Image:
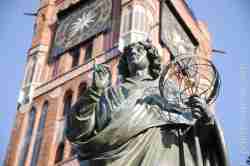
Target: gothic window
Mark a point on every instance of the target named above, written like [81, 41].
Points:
[67, 103]
[55, 68]
[30, 71]
[139, 18]
[111, 35]
[27, 138]
[66, 110]
[75, 53]
[39, 136]
[136, 23]
[88, 52]
[43, 117]
[29, 78]
[127, 20]
[82, 89]
[59, 153]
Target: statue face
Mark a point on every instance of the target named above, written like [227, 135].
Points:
[137, 58]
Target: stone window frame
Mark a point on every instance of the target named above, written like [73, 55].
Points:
[27, 138]
[75, 53]
[82, 88]
[67, 101]
[39, 135]
[136, 23]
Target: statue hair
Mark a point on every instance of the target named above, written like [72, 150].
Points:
[152, 55]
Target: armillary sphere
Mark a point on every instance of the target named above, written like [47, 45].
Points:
[189, 76]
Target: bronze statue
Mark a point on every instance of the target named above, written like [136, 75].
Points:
[126, 124]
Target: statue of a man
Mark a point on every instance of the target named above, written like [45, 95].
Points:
[130, 124]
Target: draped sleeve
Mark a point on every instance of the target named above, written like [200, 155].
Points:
[81, 121]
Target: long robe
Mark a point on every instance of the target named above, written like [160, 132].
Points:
[132, 125]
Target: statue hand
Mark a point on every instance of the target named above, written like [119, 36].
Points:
[101, 78]
[200, 109]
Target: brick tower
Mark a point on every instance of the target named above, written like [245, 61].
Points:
[69, 37]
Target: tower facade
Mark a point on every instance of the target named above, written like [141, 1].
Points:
[70, 36]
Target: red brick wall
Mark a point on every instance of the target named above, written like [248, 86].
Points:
[56, 96]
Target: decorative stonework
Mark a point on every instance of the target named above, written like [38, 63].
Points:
[173, 34]
[88, 20]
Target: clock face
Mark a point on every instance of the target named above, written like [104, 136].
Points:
[173, 34]
[82, 24]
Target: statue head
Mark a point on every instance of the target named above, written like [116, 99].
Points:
[140, 56]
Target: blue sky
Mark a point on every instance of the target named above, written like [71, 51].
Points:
[15, 40]
[229, 23]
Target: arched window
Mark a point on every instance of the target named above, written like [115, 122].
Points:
[127, 20]
[67, 102]
[82, 88]
[88, 51]
[55, 68]
[136, 23]
[67, 106]
[27, 138]
[139, 21]
[29, 78]
[75, 54]
[59, 153]
[31, 71]
[43, 117]
[39, 135]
